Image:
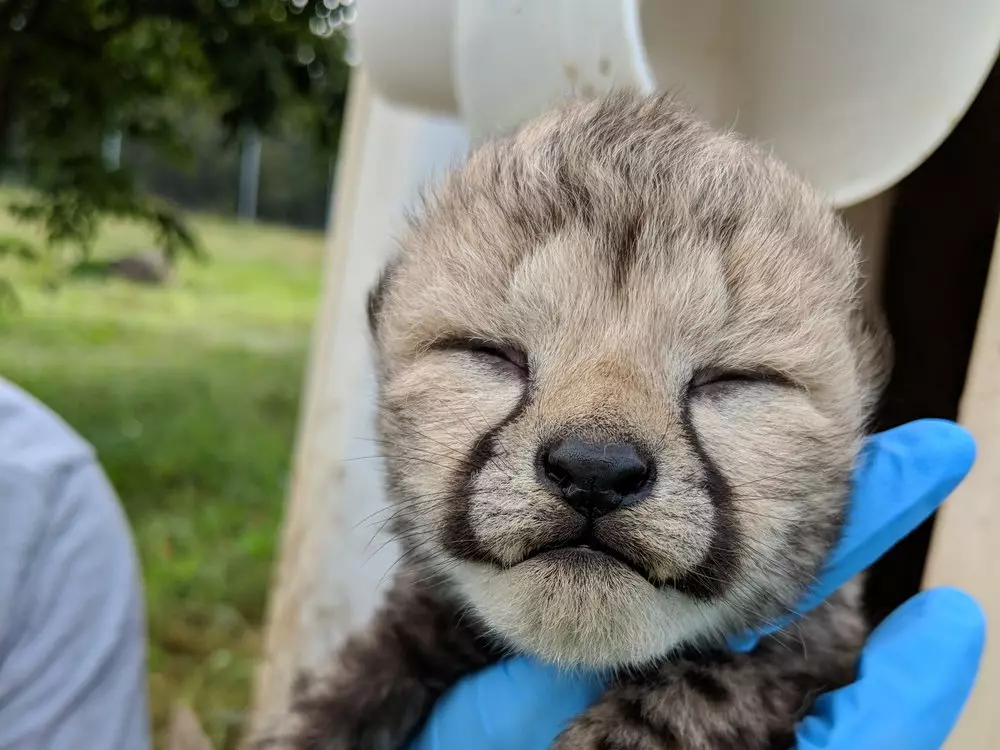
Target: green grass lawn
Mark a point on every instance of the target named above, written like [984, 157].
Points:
[190, 394]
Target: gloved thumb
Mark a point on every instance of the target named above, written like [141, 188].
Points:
[914, 676]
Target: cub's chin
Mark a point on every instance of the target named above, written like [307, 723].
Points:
[579, 608]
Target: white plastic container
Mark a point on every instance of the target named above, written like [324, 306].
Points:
[852, 93]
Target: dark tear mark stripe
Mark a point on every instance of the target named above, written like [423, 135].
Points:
[459, 538]
[713, 575]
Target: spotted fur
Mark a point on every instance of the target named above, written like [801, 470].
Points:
[619, 271]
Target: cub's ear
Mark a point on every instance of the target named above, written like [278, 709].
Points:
[376, 295]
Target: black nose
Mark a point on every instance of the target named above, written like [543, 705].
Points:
[596, 478]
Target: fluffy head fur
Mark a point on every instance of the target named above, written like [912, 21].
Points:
[618, 271]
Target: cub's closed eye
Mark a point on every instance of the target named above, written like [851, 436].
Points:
[498, 353]
[717, 376]
[503, 354]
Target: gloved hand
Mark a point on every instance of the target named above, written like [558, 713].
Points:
[915, 672]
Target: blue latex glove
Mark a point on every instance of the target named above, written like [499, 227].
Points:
[915, 672]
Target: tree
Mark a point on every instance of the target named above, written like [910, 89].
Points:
[73, 72]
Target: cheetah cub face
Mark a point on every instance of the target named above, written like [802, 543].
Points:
[624, 374]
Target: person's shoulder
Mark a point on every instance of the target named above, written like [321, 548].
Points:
[33, 438]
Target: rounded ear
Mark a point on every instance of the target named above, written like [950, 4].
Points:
[376, 296]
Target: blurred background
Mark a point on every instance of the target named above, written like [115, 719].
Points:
[165, 177]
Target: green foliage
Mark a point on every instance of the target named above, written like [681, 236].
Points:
[190, 394]
[72, 72]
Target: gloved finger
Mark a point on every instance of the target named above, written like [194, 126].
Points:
[518, 704]
[903, 475]
[914, 676]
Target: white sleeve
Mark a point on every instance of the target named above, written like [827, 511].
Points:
[72, 629]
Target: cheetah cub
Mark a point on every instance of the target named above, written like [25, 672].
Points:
[624, 375]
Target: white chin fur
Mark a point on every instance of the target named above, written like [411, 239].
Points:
[589, 616]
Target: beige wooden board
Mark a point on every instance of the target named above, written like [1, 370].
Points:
[277, 668]
[331, 563]
[967, 533]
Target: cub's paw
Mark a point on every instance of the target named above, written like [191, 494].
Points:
[619, 721]
[686, 707]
